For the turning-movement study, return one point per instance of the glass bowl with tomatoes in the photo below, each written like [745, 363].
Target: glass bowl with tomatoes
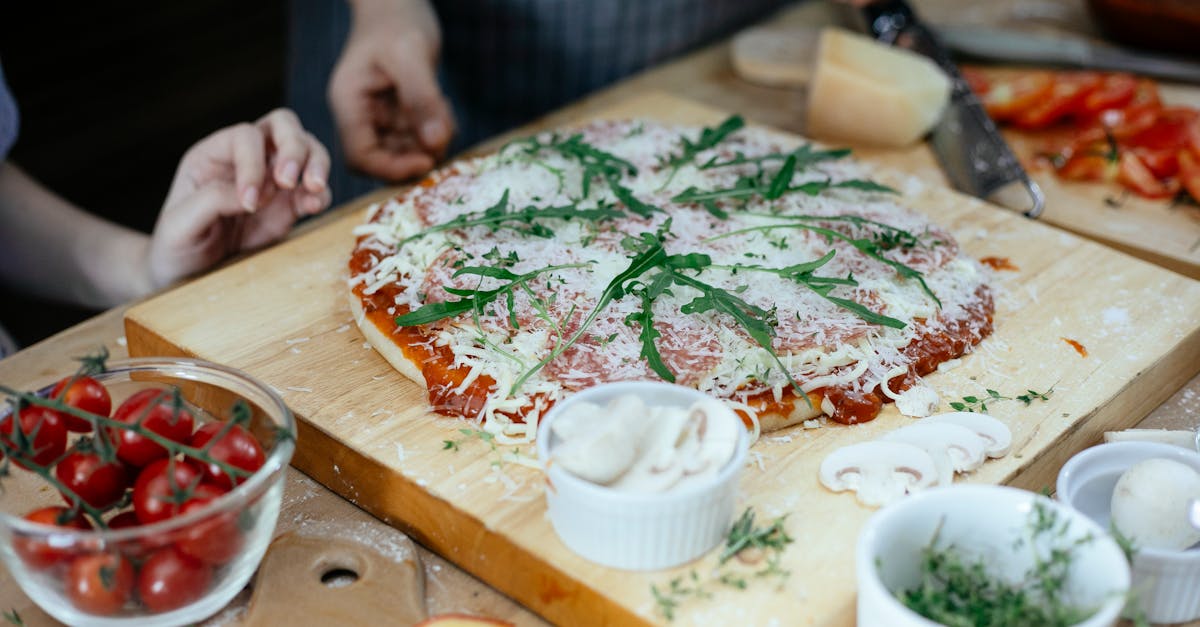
[145, 491]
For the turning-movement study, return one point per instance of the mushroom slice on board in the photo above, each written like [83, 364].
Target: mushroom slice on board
[997, 434]
[879, 472]
[954, 448]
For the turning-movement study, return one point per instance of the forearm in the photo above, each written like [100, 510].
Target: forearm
[418, 13]
[54, 249]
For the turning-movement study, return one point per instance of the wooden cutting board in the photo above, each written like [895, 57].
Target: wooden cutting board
[367, 433]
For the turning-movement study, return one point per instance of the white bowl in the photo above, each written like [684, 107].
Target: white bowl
[637, 531]
[1166, 584]
[983, 522]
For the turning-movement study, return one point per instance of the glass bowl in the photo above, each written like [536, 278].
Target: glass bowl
[238, 524]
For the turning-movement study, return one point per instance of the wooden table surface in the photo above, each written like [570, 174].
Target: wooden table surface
[706, 76]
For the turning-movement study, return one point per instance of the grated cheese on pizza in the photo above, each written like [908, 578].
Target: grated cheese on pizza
[772, 275]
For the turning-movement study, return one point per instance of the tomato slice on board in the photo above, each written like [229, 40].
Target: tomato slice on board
[1064, 98]
[975, 80]
[1134, 175]
[1091, 162]
[1189, 172]
[1006, 99]
[1115, 91]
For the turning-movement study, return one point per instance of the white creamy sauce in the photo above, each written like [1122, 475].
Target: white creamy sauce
[630, 446]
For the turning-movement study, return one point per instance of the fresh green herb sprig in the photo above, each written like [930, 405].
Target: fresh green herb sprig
[527, 221]
[743, 537]
[709, 138]
[748, 187]
[961, 593]
[980, 403]
[475, 300]
[868, 246]
[13, 617]
[805, 156]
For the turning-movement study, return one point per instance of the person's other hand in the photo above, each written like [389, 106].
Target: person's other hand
[392, 117]
[238, 189]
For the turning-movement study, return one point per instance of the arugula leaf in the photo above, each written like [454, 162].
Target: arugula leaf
[754, 186]
[805, 156]
[625, 195]
[709, 138]
[783, 179]
[522, 220]
[474, 300]
[645, 317]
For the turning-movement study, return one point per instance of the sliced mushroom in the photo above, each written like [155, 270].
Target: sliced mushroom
[879, 472]
[954, 448]
[996, 434]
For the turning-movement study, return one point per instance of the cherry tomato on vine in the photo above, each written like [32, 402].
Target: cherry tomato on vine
[237, 448]
[97, 482]
[169, 580]
[82, 392]
[162, 488]
[160, 411]
[124, 520]
[100, 583]
[38, 553]
[40, 439]
[214, 540]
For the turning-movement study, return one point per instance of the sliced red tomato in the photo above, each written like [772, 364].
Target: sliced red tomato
[1189, 172]
[82, 392]
[976, 80]
[40, 553]
[1134, 175]
[160, 411]
[97, 482]
[1064, 98]
[1115, 91]
[1090, 162]
[100, 583]
[236, 447]
[1005, 99]
[36, 435]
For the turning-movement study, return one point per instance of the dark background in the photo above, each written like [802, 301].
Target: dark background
[112, 94]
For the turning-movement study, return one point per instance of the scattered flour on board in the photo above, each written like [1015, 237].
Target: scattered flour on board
[390, 543]
[1115, 317]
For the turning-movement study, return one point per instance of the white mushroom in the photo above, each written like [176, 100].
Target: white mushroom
[954, 448]
[1150, 501]
[996, 434]
[879, 472]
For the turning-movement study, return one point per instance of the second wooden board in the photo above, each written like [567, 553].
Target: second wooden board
[368, 433]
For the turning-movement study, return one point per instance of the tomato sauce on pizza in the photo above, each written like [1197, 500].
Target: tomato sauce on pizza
[777, 277]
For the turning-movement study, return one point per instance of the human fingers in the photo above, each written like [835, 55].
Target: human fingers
[350, 99]
[412, 68]
[247, 148]
[190, 235]
[316, 171]
[283, 129]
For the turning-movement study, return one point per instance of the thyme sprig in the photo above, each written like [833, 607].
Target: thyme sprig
[743, 538]
[528, 220]
[979, 403]
[709, 138]
[954, 591]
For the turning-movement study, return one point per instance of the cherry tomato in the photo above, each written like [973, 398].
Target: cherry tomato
[170, 580]
[42, 438]
[157, 410]
[98, 483]
[1134, 175]
[1068, 91]
[1006, 99]
[82, 392]
[100, 583]
[162, 488]
[237, 448]
[38, 553]
[1189, 172]
[214, 540]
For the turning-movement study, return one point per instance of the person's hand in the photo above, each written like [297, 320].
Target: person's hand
[391, 115]
[238, 189]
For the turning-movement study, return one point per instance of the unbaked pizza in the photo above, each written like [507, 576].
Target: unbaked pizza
[774, 275]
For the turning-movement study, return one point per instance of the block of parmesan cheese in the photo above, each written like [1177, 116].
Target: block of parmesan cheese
[868, 93]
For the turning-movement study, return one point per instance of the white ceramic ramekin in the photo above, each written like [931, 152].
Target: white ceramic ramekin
[984, 522]
[1166, 584]
[639, 531]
